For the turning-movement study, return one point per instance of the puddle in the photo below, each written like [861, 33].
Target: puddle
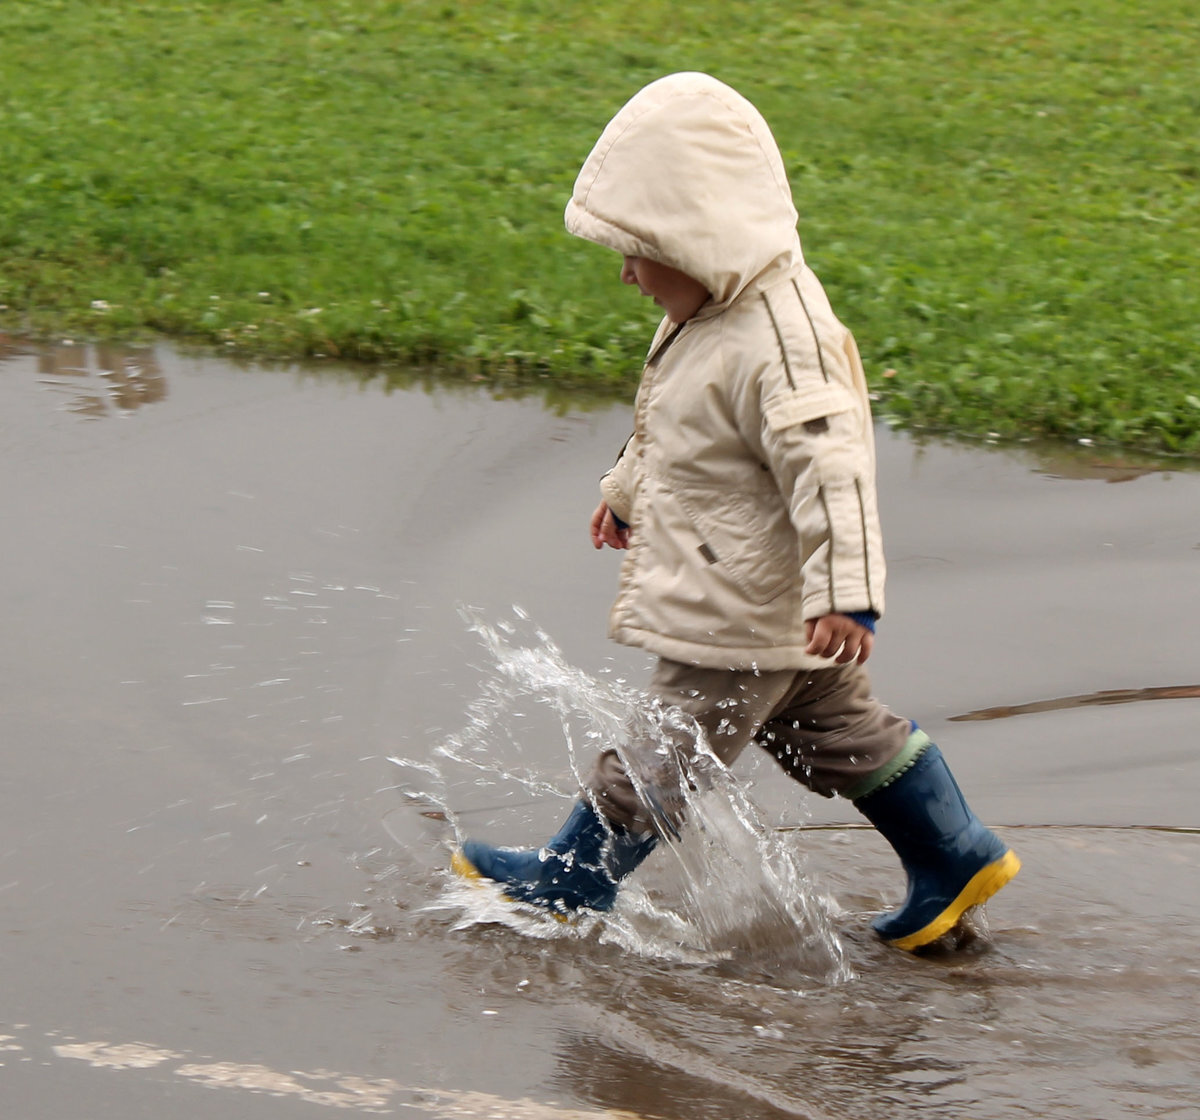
[233, 593]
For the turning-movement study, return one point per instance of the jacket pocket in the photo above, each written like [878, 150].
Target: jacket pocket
[790, 409]
[746, 537]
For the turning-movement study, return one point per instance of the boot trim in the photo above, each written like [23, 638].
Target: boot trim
[982, 885]
[915, 745]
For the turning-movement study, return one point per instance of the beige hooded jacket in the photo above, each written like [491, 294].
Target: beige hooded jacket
[749, 482]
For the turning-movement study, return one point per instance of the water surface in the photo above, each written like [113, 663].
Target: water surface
[232, 596]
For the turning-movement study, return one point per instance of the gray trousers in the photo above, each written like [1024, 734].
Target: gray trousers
[822, 726]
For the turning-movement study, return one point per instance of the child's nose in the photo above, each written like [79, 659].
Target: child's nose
[628, 276]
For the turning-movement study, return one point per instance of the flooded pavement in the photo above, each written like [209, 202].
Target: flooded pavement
[270, 634]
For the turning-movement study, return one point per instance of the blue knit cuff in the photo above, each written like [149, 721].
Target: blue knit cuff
[617, 521]
[865, 619]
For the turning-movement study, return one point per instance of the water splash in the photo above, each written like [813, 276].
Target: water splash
[725, 891]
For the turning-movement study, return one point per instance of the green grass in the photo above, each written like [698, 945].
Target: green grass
[1002, 198]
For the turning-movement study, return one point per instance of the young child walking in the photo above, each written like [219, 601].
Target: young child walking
[745, 503]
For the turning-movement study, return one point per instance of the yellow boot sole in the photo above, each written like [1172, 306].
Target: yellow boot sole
[983, 884]
[465, 869]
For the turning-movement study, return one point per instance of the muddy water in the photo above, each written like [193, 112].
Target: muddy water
[231, 596]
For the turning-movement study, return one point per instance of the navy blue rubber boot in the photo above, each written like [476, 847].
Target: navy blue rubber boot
[952, 860]
[579, 867]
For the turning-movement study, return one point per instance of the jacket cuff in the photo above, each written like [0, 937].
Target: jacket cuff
[616, 498]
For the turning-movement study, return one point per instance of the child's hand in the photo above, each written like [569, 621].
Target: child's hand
[836, 631]
[605, 531]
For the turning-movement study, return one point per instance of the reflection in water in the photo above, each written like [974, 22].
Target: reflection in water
[1063, 461]
[102, 380]
[632, 1068]
[1083, 464]
[1091, 699]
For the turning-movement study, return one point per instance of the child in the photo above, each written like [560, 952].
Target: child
[745, 501]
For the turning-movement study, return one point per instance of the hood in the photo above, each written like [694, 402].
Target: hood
[688, 174]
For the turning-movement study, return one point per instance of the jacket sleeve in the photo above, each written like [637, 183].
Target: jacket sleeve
[617, 485]
[819, 444]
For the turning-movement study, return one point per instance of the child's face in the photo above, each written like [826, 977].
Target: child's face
[675, 292]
